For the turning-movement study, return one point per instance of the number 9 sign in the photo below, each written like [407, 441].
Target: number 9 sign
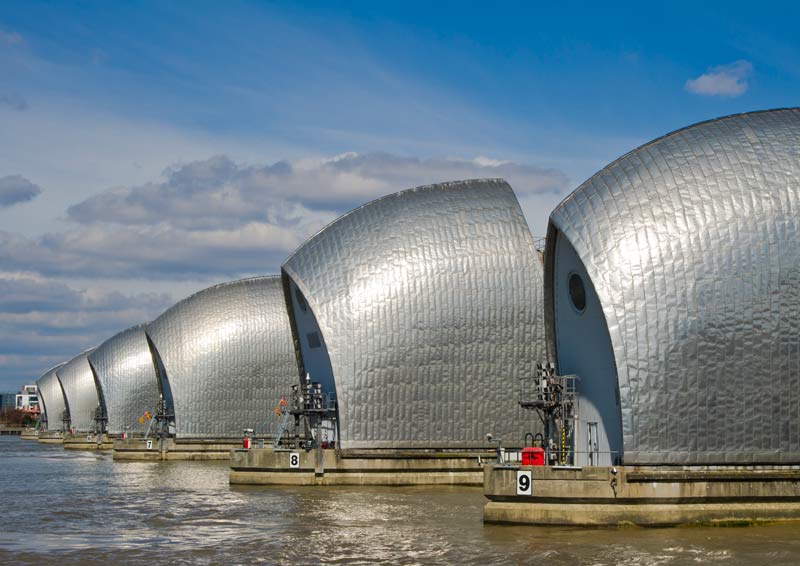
[294, 460]
[524, 482]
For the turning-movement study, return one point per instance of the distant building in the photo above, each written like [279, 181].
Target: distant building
[28, 399]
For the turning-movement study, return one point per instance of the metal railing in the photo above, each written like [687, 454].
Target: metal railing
[514, 456]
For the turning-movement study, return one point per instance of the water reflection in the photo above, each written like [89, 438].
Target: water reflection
[82, 508]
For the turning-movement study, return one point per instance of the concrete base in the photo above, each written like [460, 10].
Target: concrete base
[262, 466]
[87, 441]
[29, 434]
[647, 496]
[51, 437]
[154, 450]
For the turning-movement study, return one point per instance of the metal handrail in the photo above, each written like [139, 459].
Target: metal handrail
[515, 454]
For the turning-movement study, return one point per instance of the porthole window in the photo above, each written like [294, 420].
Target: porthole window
[577, 292]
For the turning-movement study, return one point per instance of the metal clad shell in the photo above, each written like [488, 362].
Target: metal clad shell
[430, 304]
[228, 356]
[127, 379]
[52, 397]
[691, 244]
[80, 391]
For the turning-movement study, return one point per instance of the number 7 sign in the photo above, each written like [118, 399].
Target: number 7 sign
[524, 482]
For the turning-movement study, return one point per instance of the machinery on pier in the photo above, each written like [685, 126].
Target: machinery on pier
[554, 398]
[100, 421]
[314, 413]
[165, 420]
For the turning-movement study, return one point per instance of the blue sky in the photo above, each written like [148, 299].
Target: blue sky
[148, 150]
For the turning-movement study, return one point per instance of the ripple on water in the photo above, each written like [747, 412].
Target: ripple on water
[82, 508]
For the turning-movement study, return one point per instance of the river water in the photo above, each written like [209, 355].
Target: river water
[63, 508]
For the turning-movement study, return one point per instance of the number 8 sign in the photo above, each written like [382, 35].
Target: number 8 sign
[294, 460]
[524, 482]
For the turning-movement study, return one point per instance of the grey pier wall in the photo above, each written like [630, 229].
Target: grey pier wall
[643, 495]
[263, 466]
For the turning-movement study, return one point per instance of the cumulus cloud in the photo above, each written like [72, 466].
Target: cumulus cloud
[14, 101]
[219, 217]
[15, 189]
[723, 80]
[214, 219]
[219, 192]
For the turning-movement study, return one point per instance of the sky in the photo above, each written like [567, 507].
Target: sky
[151, 149]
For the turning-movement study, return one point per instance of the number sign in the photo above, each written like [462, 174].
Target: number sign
[294, 459]
[524, 482]
[149, 444]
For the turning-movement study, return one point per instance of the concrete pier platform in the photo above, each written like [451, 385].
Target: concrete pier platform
[87, 441]
[647, 496]
[51, 437]
[171, 449]
[29, 433]
[263, 466]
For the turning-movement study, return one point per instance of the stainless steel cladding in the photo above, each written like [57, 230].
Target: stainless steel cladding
[52, 397]
[126, 379]
[424, 307]
[228, 357]
[80, 392]
[688, 249]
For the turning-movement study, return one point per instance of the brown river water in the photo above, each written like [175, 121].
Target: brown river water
[66, 508]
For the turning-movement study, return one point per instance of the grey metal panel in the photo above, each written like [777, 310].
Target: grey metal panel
[80, 392]
[228, 356]
[52, 397]
[691, 242]
[584, 348]
[126, 378]
[429, 302]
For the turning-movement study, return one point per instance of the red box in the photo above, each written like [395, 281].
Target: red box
[533, 456]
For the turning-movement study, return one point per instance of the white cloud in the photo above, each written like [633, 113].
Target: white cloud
[219, 192]
[87, 150]
[217, 217]
[15, 189]
[724, 80]
[202, 221]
